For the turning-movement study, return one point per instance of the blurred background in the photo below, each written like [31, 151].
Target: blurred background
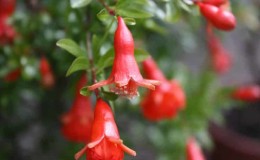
[35, 92]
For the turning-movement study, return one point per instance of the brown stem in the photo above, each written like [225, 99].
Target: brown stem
[110, 11]
[91, 62]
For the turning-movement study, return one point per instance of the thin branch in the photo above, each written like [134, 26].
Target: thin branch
[91, 62]
[110, 11]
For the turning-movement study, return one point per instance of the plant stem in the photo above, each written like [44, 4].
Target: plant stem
[110, 11]
[91, 62]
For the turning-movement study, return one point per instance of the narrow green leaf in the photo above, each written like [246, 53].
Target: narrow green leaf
[70, 46]
[110, 96]
[84, 91]
[130, 21]
[103, 15]
[79, 3]
[134, 13]
[141, 55]
[80, 63]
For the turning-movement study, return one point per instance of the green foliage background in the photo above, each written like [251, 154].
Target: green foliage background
[166, 29]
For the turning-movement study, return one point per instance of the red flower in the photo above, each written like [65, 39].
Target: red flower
[105, 142]
[47, 77]
[7, 34]
[193, 151]
[219, 17]
[215, 2]
[13, 75]
[6, 8]
[77, 122]
[125, 75]
[247, 93]
[221, 60]
[165, 101]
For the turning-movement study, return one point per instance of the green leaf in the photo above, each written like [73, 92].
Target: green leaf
[103, 15]
[70, 46]
[134, 13]
[80, 63]
[79, 3]
[130, 21]
[84, 91]
[107, 59]
[110, 96]
[141, 55]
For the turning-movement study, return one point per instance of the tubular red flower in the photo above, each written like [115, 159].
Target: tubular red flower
[105, 142]
[220, 58]
[77, 123]
[249, 93]
[125, 75]
[219, 17]
[6, 8]
[215, 2]
[13, 75]
[166, 100]
[193, 151]
[47, 77]
[7, 34]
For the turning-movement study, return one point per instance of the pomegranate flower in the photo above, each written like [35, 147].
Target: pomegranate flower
[193, 151]
[47, 77]
[219, 17]
[221, 60]
[125, 75]
[105, 142]
[7, 34]
[13, 75]
[77, 122]
[215, 2]
[249, 93]
[165, 101]
[6, 8]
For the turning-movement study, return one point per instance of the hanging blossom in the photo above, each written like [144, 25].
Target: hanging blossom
[193, 151]
[218, 13]
[220, 58]
[125, 77]
[47, 77]
[77, 123]
[166, 100]
[248, 93]
[13, 75]
[7, 32]
[105, 142]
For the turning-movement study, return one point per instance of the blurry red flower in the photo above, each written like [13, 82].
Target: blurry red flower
[47, 77]
[193, 151]
[125, 75]
[219, 17]
[13, 75]
[247, 93]
[105, 142]
[6, 8]
[78, 121]
[220, 58]
[7, 34]
[166, 100]
[215, 2]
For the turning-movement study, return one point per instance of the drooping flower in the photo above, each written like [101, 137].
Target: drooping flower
[193, 151]
[248, 93]
[7, 34]
[220, 58]
[215, 2]
[105, 143]
[166, 100]
[6, 8]
[77, 123]
[125, 76]
[13, 75]
[219, 17]
[47, 77]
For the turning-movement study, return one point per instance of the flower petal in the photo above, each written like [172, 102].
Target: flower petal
[100, 84]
